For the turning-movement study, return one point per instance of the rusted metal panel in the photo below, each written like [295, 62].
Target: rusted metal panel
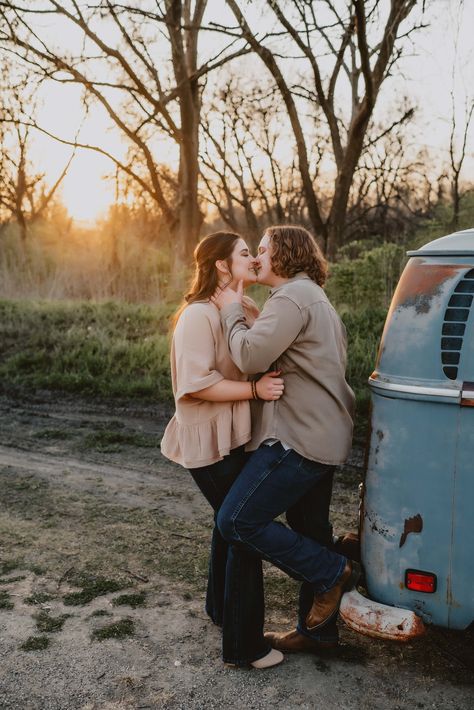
[412, 525]
[379, 620]
[421, 282]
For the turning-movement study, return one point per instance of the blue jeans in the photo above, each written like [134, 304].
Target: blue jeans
[235, 597]
[271, 482]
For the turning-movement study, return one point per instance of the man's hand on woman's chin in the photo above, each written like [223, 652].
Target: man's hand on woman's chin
[226, 296]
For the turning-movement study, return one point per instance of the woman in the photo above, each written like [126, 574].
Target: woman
[208, 432]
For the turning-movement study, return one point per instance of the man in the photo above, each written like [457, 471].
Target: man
[299, 440]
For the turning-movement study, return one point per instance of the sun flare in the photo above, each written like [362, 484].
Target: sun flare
[86, 193]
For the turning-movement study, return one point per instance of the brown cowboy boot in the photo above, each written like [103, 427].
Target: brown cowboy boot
[294, 642]
[325, 605]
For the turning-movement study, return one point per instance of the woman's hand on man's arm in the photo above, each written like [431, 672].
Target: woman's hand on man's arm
[269, 387]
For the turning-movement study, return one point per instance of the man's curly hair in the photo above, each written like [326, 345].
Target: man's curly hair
[294, 249]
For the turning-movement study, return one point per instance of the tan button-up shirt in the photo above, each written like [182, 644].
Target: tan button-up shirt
[299, 332]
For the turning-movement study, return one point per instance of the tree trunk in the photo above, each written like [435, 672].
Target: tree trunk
[189, 217]
[456, 202]
[184, 48]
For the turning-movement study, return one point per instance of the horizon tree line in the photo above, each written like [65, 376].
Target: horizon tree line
[232, 107]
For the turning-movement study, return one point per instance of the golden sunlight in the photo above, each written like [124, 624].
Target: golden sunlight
[86, 193]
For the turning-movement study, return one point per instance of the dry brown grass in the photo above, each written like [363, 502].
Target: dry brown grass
[78, 263]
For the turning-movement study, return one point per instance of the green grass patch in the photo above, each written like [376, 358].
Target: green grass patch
[12, 579]
[133, 600]
[5, 601]
[117, 630]
[107, 349]
[50, 624]
[35, 643]
[92, 587]
[52, 434]
[107, 441]
[364, 330]
[38, 598]
[7, 566]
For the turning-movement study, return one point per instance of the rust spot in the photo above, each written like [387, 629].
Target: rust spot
[450, 600]
[378, 620]
[412, 525]
[421, 282]
[377, 526]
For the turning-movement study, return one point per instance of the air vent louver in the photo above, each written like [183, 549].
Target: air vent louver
[454, 325]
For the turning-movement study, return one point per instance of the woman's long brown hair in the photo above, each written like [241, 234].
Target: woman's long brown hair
[217, 246]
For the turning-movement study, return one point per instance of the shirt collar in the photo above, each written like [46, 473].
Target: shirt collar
[297, 277]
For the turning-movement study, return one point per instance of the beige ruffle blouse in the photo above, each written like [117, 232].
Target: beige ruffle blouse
[200, 432]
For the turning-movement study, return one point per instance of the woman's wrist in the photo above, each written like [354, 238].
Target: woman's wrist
[255, 394]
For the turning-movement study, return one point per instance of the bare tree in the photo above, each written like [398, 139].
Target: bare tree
[361, 46]
[251, 178]
[391, 189]
[147, 96]
[458, 135]
[24, 194]
[456, 159]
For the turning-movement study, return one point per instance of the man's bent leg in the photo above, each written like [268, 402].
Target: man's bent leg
[272, 481]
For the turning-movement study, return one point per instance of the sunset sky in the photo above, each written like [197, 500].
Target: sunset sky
[425, 77]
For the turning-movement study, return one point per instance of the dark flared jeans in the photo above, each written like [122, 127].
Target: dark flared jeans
[309, 516]
[234, 596]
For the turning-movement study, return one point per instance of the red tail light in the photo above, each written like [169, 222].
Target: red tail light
[419, 581]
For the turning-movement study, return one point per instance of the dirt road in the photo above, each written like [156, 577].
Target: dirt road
[103, 555]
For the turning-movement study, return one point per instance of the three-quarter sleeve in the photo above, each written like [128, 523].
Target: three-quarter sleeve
[195, 353]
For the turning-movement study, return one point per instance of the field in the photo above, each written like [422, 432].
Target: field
[103, 564]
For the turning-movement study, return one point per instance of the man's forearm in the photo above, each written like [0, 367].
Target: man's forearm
[255, 349]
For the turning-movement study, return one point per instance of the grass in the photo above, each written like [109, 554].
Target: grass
[7, 566]
[12, 579]
[364, 329]
[100, 612]
[133, 600]
[107, 349]
[38, 598]
[92, 587]
[117, 630]
[50, 624]
[52, 434]
[108, 441]
[35, 643]
[5, 601]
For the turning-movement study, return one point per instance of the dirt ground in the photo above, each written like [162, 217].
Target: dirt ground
[103, 555]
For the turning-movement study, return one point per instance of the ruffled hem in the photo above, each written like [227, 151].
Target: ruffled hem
[204, 443]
